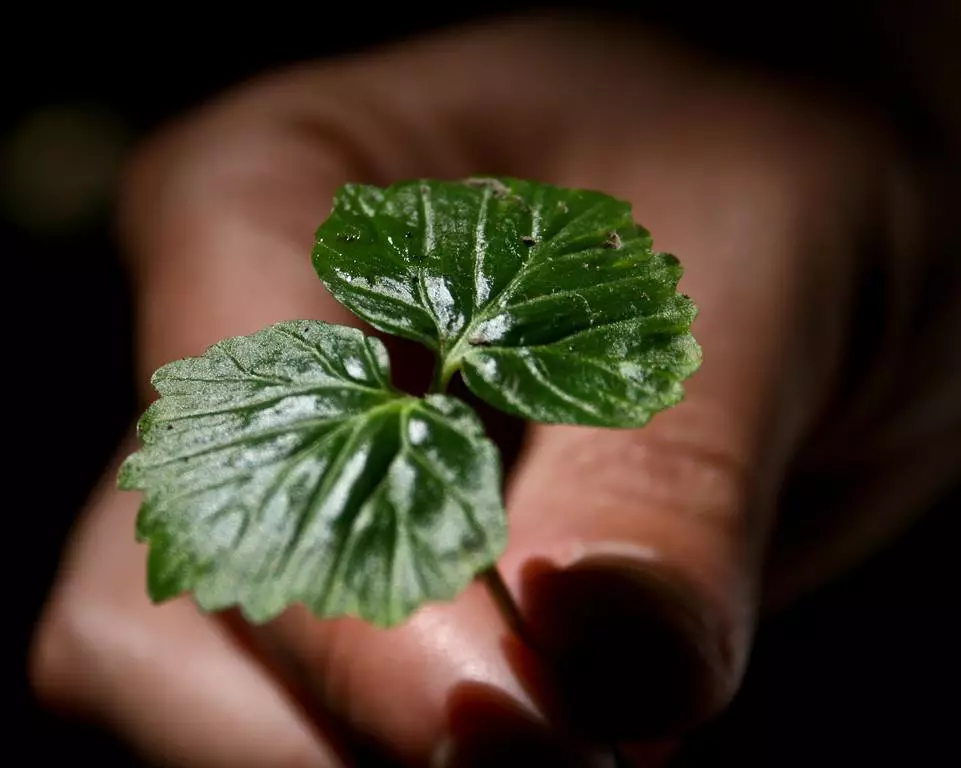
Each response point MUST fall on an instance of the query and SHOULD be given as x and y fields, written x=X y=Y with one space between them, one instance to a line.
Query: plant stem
x=437 y=384
x=505 y=603
x=491 y=577
x=512 y=615
x=442 y=377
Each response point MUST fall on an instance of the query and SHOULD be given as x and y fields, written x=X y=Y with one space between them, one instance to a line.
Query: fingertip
x=639 y=654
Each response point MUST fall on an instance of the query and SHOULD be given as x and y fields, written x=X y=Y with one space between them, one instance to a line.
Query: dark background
x=862 y=673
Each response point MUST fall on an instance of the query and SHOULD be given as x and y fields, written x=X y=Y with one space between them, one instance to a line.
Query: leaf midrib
x=452 y=363
x=452 y=360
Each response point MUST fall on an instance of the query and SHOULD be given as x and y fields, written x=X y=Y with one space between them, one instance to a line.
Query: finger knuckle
x=699 y=481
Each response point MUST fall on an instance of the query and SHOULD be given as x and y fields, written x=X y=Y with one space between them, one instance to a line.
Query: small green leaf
x=281 y=468
x=551 y=302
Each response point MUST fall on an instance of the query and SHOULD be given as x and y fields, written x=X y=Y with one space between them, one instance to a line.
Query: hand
x=638 y=557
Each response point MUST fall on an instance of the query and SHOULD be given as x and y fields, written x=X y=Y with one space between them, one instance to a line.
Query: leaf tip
x=128 y=476
x=164 y=581
x=253 y=611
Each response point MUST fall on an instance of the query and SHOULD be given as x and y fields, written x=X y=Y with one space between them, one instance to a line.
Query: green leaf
x=281 y=467
x=551 y=302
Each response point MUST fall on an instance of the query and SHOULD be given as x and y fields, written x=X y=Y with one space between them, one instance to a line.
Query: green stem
x=509 y=609
x=492 y=578
x=511 y=613
x=442 y=377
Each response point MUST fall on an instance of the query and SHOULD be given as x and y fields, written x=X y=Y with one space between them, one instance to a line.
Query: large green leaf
x=551 y=302
x=281 y=467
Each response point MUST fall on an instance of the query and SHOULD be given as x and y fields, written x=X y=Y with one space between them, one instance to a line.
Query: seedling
x=283 y=467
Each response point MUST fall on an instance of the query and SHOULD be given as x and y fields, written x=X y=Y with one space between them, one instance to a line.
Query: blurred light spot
x=59 y=167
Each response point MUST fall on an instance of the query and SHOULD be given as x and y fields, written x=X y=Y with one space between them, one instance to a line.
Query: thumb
x=636 y=554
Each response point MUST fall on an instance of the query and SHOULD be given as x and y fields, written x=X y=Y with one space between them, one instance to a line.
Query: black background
x=862 y=673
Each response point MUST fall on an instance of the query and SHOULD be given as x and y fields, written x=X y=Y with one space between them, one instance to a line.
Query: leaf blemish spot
x=496 y=186
x=613 y=240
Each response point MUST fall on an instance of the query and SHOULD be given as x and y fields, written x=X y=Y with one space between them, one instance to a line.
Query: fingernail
x=638 y=655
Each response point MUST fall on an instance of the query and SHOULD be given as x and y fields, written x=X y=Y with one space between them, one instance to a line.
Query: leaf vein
x=259 y=436
x=480 y=247
x=555 y=390
x=535 y=300
x=323 y=487
x=323 y=361
x=468 y=508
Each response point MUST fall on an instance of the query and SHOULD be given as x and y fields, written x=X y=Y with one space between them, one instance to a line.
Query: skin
x=641 y=560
